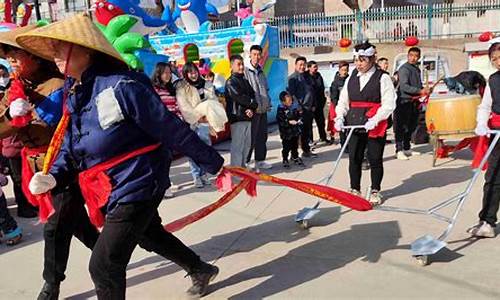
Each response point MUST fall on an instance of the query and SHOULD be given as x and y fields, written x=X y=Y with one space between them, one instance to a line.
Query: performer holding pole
x=488 y=117
x=368 y=98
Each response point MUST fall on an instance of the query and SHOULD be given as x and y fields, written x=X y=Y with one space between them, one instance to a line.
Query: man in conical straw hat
x=118 y=142
x=37 y=93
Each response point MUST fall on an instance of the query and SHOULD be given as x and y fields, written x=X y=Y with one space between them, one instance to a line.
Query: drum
x=452 y=116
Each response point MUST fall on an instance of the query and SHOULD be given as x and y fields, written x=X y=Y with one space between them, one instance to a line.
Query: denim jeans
x=203 y=132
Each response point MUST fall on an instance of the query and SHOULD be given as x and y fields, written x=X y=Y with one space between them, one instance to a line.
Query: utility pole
x=37 y=10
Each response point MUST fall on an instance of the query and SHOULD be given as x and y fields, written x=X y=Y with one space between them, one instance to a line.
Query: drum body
x=453 y=117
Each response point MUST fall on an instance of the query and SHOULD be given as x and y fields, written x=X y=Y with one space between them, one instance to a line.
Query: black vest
x=369 y=93
x=494 y=83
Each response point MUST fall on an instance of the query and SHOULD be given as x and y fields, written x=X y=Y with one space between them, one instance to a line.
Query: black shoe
x=328 y=142
x=309 y=154
x=365 y=165
x=201 y=277
x=50 y=291
x=286 y=164
x=27 y=212
x=298 y=161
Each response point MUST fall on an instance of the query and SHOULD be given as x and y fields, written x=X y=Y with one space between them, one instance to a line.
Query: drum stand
x=437 y=136
x=427 y=245
x=304 y=215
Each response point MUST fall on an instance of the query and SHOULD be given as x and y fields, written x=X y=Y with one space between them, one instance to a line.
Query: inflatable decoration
x=125 y=42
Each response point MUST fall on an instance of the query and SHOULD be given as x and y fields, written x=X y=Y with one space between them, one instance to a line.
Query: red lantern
x=411 y=41
x=345 y=42
x=485 y=36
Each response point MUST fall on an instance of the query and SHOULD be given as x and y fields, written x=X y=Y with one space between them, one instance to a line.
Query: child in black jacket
x=289 y=123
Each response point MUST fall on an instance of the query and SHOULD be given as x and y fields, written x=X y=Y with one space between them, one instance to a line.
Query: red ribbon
x=16 y=91
x=444 y=150
x=484 y=142
x=43 y=202
x=381 y=128
x=249 y=183
x=331 y=119
x=96 y=185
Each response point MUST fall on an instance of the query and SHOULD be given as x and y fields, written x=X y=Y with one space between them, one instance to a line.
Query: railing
x=438 y=21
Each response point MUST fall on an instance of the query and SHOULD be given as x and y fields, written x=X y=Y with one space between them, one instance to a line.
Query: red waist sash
x=381 y=128
x=96 y=185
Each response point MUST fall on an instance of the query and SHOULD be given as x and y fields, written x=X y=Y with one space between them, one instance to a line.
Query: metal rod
x=402 y=209
x=445 y=203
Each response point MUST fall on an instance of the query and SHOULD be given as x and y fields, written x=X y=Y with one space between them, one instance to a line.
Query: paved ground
x=262 y=252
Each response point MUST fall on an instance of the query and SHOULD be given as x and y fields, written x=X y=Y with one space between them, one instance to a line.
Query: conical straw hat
x=9 y=37
x=79 y=30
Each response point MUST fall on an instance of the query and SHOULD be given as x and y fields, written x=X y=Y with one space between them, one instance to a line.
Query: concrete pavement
x=261 y=252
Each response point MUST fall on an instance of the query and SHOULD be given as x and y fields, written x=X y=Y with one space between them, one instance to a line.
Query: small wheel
x=422 y=260
x=304 y=224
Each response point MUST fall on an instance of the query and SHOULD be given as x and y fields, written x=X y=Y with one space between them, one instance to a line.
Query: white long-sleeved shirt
x=484 y=109
x=387 y=92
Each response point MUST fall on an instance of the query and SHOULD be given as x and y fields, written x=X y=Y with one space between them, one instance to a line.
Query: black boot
x=201 y=277
x=50 y=291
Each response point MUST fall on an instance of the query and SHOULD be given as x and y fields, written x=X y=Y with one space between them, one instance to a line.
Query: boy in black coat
x=289 y=123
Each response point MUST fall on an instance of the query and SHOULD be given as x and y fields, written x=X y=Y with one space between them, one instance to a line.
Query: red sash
x=96 y=185
x=484 y=142
x=381 y=128
x=331 y=119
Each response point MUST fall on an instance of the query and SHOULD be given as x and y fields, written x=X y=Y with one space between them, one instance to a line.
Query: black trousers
x=375 y=146
x=491 y=189
x=259 y=137
x=70 y=218
x=15 y=165
x=7 y=223
x=125 y=227
x=290 y=145
x=305 y=137
x=319 y=118
x=405 y=123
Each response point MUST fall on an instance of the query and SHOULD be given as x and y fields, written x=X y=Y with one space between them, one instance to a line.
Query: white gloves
x=339 y=124
x=19 y=107
x=370 y=125
x=41 y=183
x=481 y=129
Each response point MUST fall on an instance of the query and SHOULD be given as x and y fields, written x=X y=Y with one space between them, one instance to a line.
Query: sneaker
x=262 y=165
x=401 y=156
x=198 y=183
x=205 y=180
x=365 y=165
x=482 y=229
x=12 y=237
x=298 y=161
x=169 y=193
x=355 y=192
x=411 y=153
x=286 y=164
x=201 y=278
x=50 y=291
x=309 y=155
x=375 y=198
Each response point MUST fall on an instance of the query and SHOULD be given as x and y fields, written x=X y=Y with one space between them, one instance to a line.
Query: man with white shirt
x=367 y=99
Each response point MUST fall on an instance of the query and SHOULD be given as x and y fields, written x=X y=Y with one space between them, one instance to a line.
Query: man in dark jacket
x=336 y=87
x=320 y=98
x=255 y=75
x=300 y=86
x=240 y=108
x=406 y=113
